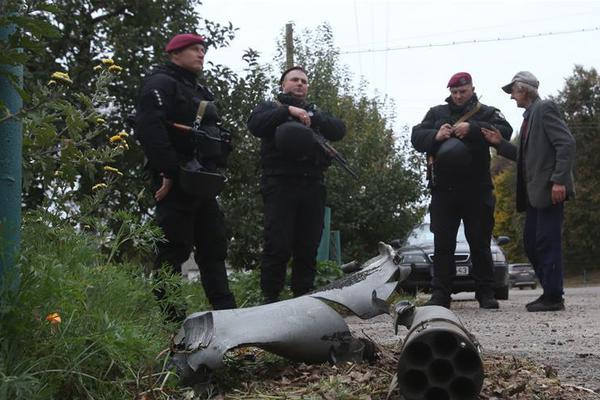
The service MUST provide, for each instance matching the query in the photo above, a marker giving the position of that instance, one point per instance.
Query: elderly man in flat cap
(461, 188)
(545, 156)
(190, 218)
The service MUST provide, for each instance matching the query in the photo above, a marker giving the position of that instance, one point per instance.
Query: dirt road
(568, 341)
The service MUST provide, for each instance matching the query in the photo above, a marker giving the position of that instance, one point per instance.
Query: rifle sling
(201, 111)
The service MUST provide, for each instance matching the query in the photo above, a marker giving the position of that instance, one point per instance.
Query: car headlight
(499, 257)
(413, 259)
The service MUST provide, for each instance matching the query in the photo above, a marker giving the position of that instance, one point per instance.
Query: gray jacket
(548, 152)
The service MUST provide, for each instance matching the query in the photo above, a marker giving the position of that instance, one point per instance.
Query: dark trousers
(542, 242)
(294, 208)
(476, 209)
(190, 223)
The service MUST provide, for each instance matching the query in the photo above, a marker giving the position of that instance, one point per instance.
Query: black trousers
(294, 208)
(191, 223)
(543, 245)
(475, 207)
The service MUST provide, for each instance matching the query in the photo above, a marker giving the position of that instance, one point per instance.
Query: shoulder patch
(158, 98)
(499, 114)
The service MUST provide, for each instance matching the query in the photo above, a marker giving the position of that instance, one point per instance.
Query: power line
(473, 41)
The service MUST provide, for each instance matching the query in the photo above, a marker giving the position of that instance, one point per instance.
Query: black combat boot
(548, 303)
(486, 299)
(439, 298)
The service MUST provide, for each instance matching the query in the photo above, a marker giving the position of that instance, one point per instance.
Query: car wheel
(501, 293)
(521, 287)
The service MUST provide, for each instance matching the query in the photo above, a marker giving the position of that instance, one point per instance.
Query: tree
(134, 33)
(580, 103)
(507, 221)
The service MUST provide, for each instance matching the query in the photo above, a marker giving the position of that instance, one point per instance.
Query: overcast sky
(416, 77)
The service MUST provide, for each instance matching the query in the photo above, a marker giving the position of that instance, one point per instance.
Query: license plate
(462, 271)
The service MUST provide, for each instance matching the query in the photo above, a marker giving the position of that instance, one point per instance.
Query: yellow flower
(54, 318)
(116, 138)
(98, 68)
(115, 69)
(51, 82)
(123, 134)
(113, 170)
(62, 77)
(107, 61)
(99, 186)
(100, 121)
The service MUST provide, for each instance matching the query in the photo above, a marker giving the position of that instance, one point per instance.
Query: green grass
(111, 329)
(112, 341)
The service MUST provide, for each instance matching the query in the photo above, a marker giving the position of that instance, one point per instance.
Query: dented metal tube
(440, 359)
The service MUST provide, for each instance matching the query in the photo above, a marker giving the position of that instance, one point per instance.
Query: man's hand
(443, 133)
(301, 114)
(164, 189)
(493, 136)
(559, 193)
(461, 130)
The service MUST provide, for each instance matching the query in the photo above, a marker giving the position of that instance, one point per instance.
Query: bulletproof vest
(212, 141)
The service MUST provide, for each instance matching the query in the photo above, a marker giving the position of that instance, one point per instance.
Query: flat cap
(459, 79)
(184, 40)
(523, 77)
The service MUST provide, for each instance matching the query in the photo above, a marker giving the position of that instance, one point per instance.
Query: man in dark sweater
(461, 186)
(292, 184)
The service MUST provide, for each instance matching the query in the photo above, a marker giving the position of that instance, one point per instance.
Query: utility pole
(11, 141)
(289, 45)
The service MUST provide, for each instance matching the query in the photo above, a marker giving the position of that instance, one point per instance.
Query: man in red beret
(171, 96)
(461, 189)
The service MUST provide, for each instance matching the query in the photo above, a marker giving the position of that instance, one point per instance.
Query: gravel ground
(568, 341)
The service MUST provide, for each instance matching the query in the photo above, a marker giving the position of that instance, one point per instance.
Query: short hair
(287, 71)
(531, 91)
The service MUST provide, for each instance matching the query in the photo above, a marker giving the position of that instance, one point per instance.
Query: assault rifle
(200, 134)
(333, 153)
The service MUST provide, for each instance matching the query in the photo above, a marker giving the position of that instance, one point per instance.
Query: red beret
(459, 79)
(183, 40)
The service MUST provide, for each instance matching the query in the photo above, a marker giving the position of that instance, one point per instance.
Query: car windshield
(422, 234)
(521, 267)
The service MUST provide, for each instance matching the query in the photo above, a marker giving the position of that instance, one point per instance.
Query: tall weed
(75, 327)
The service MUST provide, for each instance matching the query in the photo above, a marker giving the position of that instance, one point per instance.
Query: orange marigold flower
(54, 318)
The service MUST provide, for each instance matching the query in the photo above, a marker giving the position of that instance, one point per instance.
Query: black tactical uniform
(461, 190)
(171, 95)
(294, 197)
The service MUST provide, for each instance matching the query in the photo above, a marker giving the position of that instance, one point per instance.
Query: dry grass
(254, 374)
